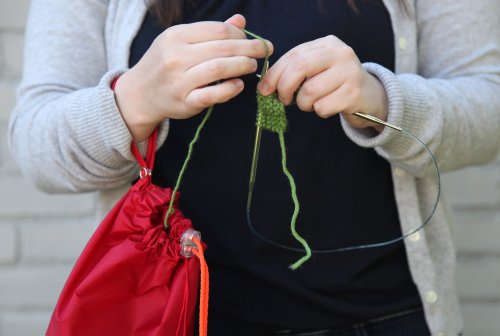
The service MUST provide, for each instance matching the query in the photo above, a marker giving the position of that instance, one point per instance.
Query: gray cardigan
(68, 135)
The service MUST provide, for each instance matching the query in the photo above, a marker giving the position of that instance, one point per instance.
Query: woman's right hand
(172, 78)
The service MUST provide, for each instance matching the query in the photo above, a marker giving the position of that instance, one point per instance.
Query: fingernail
(263, 88)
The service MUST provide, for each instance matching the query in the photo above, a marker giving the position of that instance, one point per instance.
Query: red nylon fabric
(131, 279)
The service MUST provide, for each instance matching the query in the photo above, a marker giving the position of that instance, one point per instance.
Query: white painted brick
(7, 98)
(477, 232)
(13, 14)
(475, 187)
(19, 199)
(13, 46)
(481, 319)
(2, 61)
(54, 240)
(24, 323)
(32, 287)
(8, 240)
(478, 278)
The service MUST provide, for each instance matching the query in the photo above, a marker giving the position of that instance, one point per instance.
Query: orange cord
(204, 287)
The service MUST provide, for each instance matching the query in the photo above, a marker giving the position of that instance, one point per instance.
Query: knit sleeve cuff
(409, 107)
(100, 118)
(365, 137)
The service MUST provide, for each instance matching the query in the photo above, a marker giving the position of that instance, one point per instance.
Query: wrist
(377, 102)
(134, 113)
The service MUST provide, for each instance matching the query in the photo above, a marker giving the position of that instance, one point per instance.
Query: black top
(345, 191)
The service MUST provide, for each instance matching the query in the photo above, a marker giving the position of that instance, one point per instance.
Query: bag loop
(147, 164)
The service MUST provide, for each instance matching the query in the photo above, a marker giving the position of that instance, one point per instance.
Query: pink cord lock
(187, 243)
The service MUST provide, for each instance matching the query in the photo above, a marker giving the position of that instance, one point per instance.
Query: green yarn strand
(296, 209)
(184, 166)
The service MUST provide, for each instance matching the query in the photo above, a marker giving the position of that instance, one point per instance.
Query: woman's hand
(331, 81)
(172, 80)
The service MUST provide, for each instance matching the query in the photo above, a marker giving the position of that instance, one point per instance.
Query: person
(431, 67)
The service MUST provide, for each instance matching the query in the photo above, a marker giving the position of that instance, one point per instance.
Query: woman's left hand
(331, 81)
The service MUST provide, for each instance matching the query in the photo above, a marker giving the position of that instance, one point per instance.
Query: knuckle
(258, 47)
(222, 29)
(300, 63)
(226, 48)
(331, 39)
(170, 61)
(304, 104)
(292, 54)
(330, 42)
(205, 98)
(251, 64)
(308, 89)
(320, 110)
(172, 32)
(346, 51)
(216, 68)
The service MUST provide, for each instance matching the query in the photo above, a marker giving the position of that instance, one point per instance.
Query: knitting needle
(256, 149)
(376, 120)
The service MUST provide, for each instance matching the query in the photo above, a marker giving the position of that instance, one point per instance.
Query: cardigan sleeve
(453, 102)
(66, 131)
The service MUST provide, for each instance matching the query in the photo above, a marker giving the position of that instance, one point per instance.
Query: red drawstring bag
(132, 277)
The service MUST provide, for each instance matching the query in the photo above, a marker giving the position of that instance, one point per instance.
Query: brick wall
(42, 235)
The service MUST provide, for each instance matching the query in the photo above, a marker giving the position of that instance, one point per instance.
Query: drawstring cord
(204, 287)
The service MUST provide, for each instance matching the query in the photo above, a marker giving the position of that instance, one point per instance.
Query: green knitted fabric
(271, 113)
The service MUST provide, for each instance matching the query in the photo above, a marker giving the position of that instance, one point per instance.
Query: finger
(303, 61)
(227, 48)
(325, 54)
(317, 87)
(214, 94)
(237, 20)
(268, 84)
(342, 100)
(219, 68)
(299, 69)
(204, 31)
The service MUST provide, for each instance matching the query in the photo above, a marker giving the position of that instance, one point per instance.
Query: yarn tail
(296, 209)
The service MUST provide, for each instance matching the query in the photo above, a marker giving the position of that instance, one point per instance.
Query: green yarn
(184, 166)
(296, 209)
(271, 113)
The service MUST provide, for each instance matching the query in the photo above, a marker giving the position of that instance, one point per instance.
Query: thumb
(237, 20)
